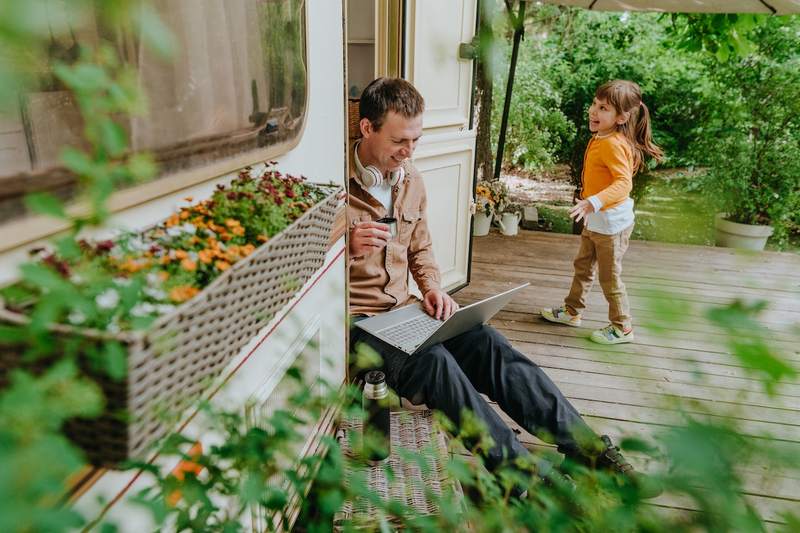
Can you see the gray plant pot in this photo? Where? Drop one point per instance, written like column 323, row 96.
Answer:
column 742, row 236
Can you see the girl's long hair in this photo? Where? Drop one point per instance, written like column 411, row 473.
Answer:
column 626, row 97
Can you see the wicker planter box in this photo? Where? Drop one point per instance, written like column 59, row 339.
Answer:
column 172, row 363
column 412, row 431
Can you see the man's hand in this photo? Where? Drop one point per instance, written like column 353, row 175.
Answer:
column 438, row 304
column 366, row 238
column 581, row 209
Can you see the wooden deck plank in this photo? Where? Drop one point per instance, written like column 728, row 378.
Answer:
column 644, row 388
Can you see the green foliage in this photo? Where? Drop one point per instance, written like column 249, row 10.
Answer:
column 35, row 458
column 753, row 137
column 725, row 36
column 700, row 460
column 568, row 53
column 555, row 219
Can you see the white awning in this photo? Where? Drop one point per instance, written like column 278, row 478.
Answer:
column 777, row 7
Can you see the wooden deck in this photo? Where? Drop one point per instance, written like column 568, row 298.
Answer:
column 630, row 389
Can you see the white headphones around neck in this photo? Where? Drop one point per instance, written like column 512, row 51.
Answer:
column 370, row 176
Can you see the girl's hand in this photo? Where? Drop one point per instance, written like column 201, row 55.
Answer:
column 581, row 209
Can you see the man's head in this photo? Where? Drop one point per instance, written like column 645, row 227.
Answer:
column 391, row 122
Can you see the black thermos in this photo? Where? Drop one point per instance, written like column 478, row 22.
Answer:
column 376, row 407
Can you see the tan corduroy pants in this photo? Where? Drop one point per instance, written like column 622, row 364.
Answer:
column 606, row 252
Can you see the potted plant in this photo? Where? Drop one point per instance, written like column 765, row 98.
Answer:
column 486, row 199
column 754, row 176
column 509, row 218
column 156, row 315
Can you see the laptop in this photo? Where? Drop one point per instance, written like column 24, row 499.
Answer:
column 410, row 329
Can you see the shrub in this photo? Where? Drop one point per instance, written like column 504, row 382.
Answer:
column 754, row 140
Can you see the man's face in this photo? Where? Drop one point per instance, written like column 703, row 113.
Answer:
column 394, row 142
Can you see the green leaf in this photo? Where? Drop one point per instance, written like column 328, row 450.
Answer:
column 113, row 137
column 142, row 167
column 12, row 334
column 83, row 77
column 77, row 161
column 43, row 277
column 45, row 204
column 68, row 248
column 115, row 360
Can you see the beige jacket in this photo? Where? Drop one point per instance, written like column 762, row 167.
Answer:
column 379, row 282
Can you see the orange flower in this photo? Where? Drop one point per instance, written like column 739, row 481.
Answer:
column 188, row 198
column 205, row 256
column 248, row 249
column 262, row 238
column 182, row 293
column 232, row 223
column 225, row 237
column 163, row 275
column 188, row 264
column 174, row 220
column 165, row 260
column 199, row 222
column 222, row 265
column 184, row 214
column 238, row 231
column 181, row 254
column 133, row 266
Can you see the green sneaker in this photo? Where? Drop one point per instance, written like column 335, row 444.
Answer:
column 611, row 334
column 560, row 315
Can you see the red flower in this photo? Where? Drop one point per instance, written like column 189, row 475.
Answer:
column 103, row 247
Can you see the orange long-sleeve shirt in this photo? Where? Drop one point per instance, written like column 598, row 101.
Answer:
column 608, row 170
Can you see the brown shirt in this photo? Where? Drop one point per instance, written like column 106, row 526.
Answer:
column 379, row 282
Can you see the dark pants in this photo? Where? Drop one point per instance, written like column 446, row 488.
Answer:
column 451, row 376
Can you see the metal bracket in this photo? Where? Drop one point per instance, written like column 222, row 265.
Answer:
column 468, row 51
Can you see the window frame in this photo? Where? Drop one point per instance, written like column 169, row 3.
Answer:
column 29, row 228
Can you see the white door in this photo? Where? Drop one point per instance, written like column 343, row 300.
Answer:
column 445, row 154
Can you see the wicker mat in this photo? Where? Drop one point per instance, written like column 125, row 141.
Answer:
column 411, row 431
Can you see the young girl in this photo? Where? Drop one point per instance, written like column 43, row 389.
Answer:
column 622, row 139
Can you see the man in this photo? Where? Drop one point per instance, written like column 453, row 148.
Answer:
column 452, row 375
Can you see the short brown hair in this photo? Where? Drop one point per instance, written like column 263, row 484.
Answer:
column 389, row 94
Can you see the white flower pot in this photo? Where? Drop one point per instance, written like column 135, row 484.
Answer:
column 481, row 224
column 509, row 223
column 743, row 236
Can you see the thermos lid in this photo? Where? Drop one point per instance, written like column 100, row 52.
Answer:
column 375, row 376
column 375, row 387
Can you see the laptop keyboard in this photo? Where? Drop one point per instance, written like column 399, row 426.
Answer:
column 411, row 333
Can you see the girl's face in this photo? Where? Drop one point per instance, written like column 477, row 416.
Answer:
column 604, row 118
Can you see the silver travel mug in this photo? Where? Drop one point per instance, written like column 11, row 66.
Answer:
column 391, row 222
column 377, row 428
